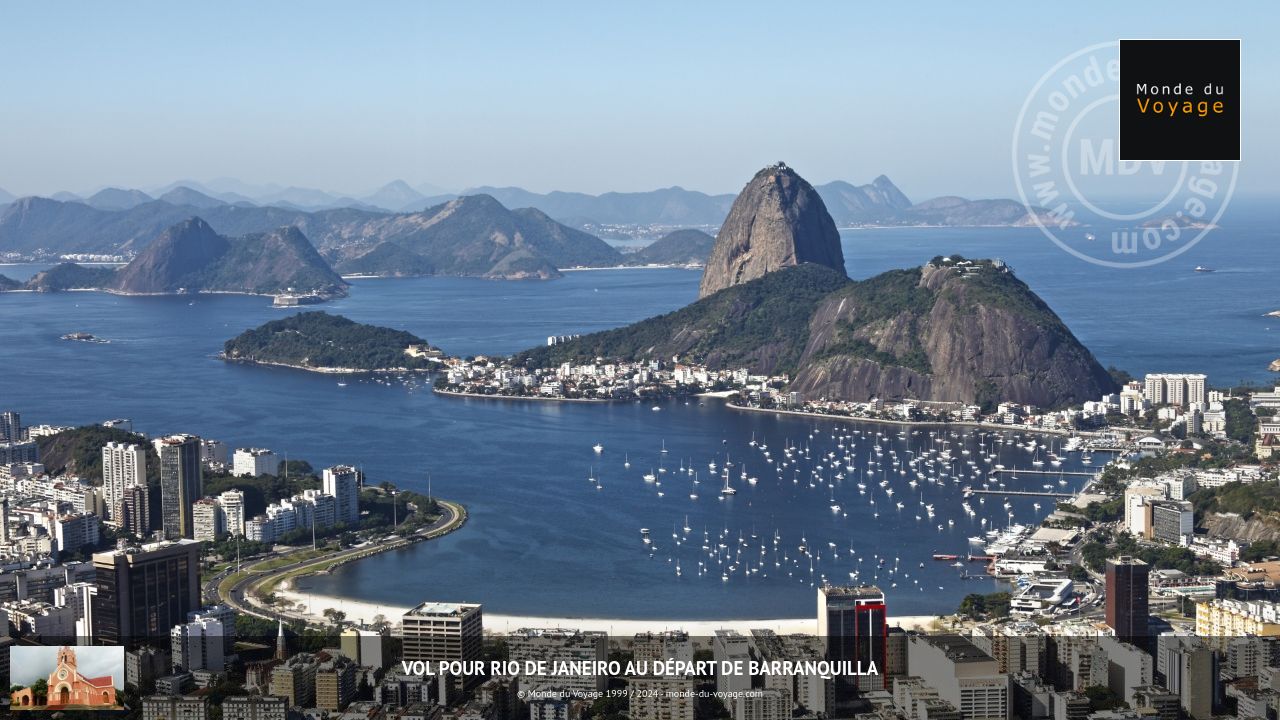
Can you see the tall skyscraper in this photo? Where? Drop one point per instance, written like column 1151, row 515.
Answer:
column 435, row 631
column 340, row 481
column 853, row 622
column 1127, row 589
column 181, row 483
column 10, row 426
column 135, row 510
column 124, row 465
column 144, row 591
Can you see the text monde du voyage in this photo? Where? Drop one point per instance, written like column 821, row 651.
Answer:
column 1180, row 99
column 661, row 668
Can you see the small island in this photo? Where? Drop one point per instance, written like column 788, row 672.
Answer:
column 319, row 342
column 85, row 337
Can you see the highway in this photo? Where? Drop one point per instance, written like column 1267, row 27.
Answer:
column 236, row 595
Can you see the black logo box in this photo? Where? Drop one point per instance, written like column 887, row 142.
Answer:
column 1185, row 65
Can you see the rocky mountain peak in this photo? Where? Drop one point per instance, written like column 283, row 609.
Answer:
column 777, row 221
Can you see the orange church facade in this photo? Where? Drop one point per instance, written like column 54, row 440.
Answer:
column 68, row 688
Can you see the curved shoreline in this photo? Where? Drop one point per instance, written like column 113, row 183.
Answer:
column 240, row 593
column 321, row 370
column 923, row 423
column 539, row 398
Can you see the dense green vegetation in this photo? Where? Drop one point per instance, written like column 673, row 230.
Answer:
column 995, row 289
column 71, row 276
column 320, row 340
column 7, row 283
column 1212, row 455
column 79, row 452
column 261, row 491
column 679, row 247
column 991, row 605
column 387, row 259
column 1159, row 557
column 1242, row 425
column 1108, row 511
column 763, row 324
column 1245, row 500
column 878, row 300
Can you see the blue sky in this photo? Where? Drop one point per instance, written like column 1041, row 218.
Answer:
column 572, row 96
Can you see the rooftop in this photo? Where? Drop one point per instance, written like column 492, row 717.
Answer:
column 956, row 648
column 869, row 592
column 443, row 609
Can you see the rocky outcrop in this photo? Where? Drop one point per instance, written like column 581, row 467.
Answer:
column 777, row 221
column 191, row 257
column 165, row 264
column 959, row 330
column 1231, row 525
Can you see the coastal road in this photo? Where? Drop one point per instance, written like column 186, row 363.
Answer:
column 235, row 593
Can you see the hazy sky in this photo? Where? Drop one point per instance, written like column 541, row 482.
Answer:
column 589, row 97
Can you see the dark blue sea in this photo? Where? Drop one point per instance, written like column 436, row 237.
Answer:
column 542, row 539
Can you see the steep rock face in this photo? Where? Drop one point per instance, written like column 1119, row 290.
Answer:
column 191, row 256
column 778, row 220
column 180, row 251
column 275, row 261
column 963, row 331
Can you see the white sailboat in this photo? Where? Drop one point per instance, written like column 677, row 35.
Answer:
column 727, row 489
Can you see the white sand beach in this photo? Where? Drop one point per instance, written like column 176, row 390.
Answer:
column 359, row 611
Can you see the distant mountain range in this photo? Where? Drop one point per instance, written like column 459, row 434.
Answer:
column 191, row 257
column 877, row 203
column 470, row 236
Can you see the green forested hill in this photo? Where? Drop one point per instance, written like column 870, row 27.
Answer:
column 316, row 340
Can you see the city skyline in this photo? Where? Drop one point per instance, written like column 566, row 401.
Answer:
column 608, row 100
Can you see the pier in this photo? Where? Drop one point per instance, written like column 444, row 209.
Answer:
column 1027, row 493
column 1074, row 473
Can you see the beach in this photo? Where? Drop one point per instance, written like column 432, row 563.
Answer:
column 359, row 611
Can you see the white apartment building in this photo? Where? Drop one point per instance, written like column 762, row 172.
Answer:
column 252, row 462
column 1179, row 389
column 231, row 503
column 962, row 674
column 124, row 465
column 206, row 519
column 199, row 645
column 342, row 482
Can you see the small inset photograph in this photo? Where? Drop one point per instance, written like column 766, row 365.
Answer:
column 66, row 678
